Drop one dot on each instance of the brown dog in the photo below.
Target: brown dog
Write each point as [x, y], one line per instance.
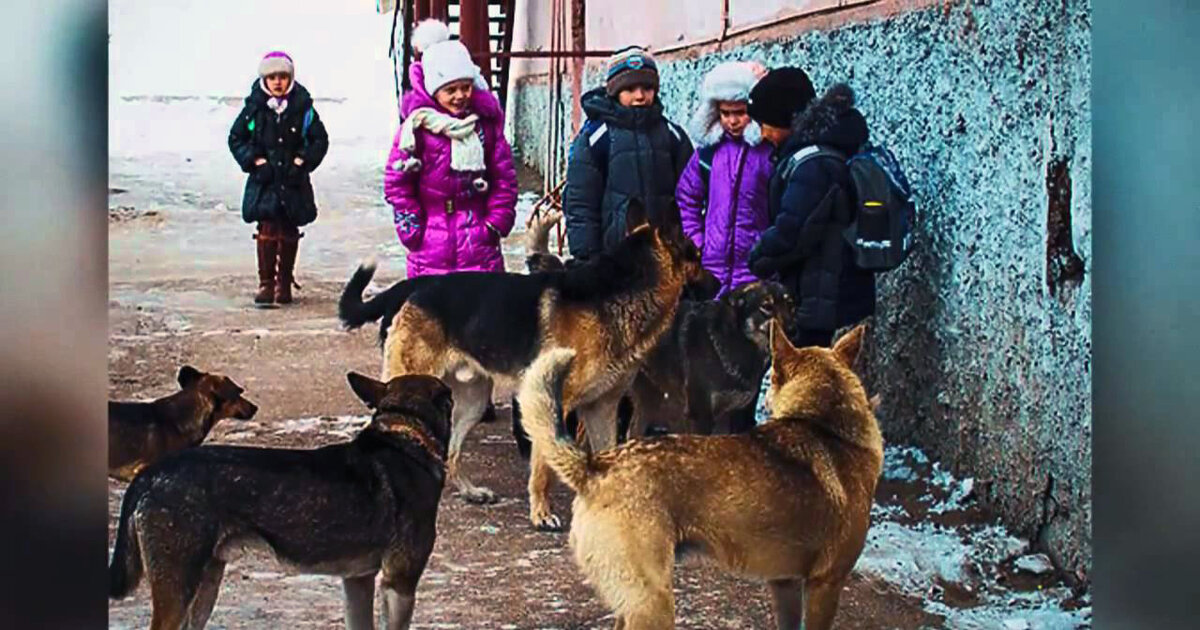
[140, 433]
[789, 502]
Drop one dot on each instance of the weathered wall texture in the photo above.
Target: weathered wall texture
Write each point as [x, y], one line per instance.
[981, 347]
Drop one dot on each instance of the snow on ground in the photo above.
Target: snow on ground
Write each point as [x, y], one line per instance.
[928, 560]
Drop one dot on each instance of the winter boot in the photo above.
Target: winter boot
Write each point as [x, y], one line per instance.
[268, 250]
[289, 243]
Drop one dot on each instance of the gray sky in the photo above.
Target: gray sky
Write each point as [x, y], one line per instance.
[212, 47]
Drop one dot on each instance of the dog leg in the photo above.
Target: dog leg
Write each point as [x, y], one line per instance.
[787, 600]
[206, 595]
[655, 612]
[399, 600]
[470, 400]
[360, 602]
[821, 602]
[539, 488]
[599, 419]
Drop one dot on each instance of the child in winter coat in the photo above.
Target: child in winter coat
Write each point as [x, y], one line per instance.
[722, 194]
[450, 176]
[278, 139]
[627, 149]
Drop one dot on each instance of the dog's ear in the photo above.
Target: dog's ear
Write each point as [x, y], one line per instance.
[635, 215]
[847, 346]
[368, 390]
[782, 350]
[189, 376]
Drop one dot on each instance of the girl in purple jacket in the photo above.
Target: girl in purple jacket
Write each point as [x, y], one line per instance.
[722, 194]
[450, 177]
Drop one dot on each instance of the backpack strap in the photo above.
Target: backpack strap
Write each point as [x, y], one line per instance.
[308, 118]
[599, 142]
[810, 152]
[704, 159]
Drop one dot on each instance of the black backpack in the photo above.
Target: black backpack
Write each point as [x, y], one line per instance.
[881, 233]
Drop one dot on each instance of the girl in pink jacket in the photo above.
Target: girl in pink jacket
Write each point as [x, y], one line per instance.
[450, 176]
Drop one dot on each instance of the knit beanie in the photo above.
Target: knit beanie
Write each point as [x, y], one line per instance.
[276, 61]
[779, 96]
[630, 67]
[446, 62]
[428, 33]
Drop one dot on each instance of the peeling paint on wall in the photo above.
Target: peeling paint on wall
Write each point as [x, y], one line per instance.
[981, 347]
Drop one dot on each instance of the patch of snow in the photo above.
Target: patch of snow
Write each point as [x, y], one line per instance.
[1037, 564]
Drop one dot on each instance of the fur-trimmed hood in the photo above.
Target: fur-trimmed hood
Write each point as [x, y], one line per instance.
[729, 81]
[831, 120]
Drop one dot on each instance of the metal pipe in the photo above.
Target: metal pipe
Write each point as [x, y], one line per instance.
[843, 5]
[547, 54]
[473, 31]
[724, 20]
[578, 45]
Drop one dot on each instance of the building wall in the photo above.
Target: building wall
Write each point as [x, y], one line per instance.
[981, 347]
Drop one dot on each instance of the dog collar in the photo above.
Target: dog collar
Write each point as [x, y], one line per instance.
[426, 442]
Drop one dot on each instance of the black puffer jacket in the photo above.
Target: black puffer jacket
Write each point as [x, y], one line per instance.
[809, 211]
[278, 189]
[646, 155]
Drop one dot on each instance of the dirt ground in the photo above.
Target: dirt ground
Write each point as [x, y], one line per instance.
[181, 281]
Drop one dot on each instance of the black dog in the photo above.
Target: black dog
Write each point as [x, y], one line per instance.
[348, 509]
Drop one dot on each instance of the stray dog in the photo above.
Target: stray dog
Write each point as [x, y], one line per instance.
[347, 509]
[473, 328]
[140, 433]
[788, 502]
[704, 375]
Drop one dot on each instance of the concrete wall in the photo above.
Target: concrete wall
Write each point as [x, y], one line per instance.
[981, 347]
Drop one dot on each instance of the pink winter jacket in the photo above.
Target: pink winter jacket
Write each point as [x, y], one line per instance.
[441, 219]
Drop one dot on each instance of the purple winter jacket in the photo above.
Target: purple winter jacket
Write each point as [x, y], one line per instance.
[727, 229]
[443, 222]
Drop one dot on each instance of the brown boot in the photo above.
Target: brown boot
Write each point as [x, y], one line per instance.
[288, 245]
[268, 250]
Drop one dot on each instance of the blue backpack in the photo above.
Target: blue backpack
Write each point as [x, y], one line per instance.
[881, 233]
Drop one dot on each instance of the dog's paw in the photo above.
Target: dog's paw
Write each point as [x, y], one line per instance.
[547, 523]
[479, 496]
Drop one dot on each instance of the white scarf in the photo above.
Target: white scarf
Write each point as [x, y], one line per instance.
[277, 105]
[466, 151]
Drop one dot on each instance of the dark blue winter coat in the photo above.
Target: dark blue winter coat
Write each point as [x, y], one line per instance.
[809, 210]
[278, 189]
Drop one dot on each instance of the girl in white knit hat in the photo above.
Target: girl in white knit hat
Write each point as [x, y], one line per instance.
[450, 176]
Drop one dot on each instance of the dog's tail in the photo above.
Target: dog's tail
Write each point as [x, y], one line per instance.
[354, 312]
[542, 414]
[126, 569]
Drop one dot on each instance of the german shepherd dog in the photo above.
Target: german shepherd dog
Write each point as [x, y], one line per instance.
[474, 328]
[347, 509]
[140, 433]
[788, 502]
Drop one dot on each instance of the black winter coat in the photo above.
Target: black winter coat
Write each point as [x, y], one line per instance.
[646, 155]
[278, 189]
[809, 211]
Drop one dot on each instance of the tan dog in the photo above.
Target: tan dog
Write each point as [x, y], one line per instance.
[789, 502]
[141, 433]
